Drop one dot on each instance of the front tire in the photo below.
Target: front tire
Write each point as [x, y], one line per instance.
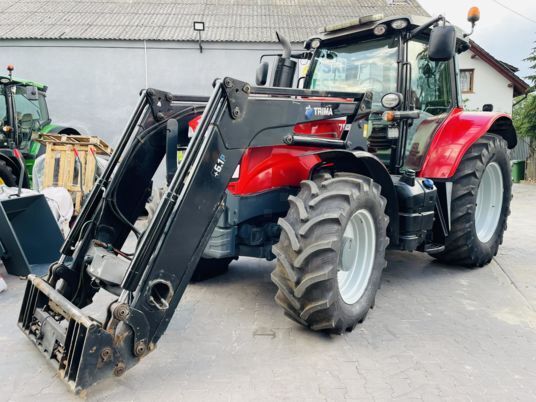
[481, 194]
[331, 252]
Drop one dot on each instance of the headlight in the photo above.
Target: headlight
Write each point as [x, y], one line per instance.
[380, 29]
[399, 24]
[391, 100]
[315, 43]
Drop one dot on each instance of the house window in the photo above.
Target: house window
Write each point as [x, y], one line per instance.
[467, 80]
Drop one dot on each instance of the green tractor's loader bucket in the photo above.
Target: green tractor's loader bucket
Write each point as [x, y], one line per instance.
[30, 238]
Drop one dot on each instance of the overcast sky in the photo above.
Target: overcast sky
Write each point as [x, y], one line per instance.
[506, 35]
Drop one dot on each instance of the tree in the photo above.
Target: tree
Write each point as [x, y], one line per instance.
[524, 112]
[532, 77]
[524, 116]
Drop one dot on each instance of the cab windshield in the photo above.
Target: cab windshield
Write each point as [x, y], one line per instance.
[30, 109]
[365, 66]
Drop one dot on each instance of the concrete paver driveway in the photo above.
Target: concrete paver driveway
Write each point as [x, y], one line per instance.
[436, 332]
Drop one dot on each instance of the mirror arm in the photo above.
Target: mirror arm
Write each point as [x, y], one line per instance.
[465, 35]
[269, 55]
[424, 26]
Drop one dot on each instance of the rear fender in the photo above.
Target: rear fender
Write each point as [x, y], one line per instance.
[57, 129]
[456, 135]
[7, 156]
[368, 165]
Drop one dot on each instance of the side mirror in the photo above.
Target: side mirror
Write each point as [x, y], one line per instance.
[32, 93]
[262, 73]
[442, 43]
[488, 107]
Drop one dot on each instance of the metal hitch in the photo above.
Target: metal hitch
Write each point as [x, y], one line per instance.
[76, 345]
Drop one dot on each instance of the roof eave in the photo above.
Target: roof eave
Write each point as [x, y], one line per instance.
[519, 85]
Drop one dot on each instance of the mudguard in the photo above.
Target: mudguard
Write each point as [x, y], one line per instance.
[57, 129]
[8, 156]
[455, 136]
[365, 163]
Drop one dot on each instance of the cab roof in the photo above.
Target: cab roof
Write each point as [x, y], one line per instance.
[22, 82]
[367, 23]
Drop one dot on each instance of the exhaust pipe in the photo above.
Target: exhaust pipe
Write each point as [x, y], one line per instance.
[286, 67]
[286, 45]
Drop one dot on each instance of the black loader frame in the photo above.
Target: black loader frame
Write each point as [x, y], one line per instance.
[150, 282]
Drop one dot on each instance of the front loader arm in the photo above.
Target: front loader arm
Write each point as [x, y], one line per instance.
[150, 285]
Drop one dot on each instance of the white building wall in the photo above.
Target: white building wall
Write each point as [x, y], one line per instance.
[489, 86]
[94, 85]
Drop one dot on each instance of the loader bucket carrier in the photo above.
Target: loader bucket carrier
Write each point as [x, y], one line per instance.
[150, 283]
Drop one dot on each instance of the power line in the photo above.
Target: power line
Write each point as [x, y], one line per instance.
[515, 12]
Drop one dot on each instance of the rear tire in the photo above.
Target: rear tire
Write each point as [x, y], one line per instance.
[476, 233]
[6, 175]
[207, 268]
[327, 281]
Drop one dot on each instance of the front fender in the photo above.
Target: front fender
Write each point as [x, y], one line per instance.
[366, 164]
[455, 136]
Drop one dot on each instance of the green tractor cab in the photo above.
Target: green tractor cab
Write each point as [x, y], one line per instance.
[24, 114]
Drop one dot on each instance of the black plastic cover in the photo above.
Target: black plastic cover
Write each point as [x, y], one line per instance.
[442, 43]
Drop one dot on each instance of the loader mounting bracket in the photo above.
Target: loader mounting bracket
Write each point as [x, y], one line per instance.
[159, 102]
[237, 95]
[136, 320]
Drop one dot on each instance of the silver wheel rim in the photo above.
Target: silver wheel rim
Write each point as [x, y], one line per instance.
[489, 199]
[357, 256]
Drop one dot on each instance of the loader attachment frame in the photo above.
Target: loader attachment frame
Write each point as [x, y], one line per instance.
[237, 116]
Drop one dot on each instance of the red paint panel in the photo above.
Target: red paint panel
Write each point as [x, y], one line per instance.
[265, 168]
[324, 128]
[452, 140]
[195, 122]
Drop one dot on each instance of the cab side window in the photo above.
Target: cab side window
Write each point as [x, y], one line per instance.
[430, 81]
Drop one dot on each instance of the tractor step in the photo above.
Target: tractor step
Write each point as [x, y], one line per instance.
[432, 248]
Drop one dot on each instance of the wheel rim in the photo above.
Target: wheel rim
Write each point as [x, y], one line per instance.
[489, 199]
[357, 256]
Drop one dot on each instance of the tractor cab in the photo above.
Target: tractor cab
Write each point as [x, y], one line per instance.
[408, 64]
[23, 110]
[23, 116]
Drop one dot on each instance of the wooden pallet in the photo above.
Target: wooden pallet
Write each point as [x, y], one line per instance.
[70, 160]
[101, 147]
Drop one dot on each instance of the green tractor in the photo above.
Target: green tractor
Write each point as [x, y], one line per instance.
[24, 113]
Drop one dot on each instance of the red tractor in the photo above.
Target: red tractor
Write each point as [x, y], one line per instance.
[448, 194]
[375, 151]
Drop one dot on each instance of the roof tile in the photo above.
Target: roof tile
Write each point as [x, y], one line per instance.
[171, 20]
